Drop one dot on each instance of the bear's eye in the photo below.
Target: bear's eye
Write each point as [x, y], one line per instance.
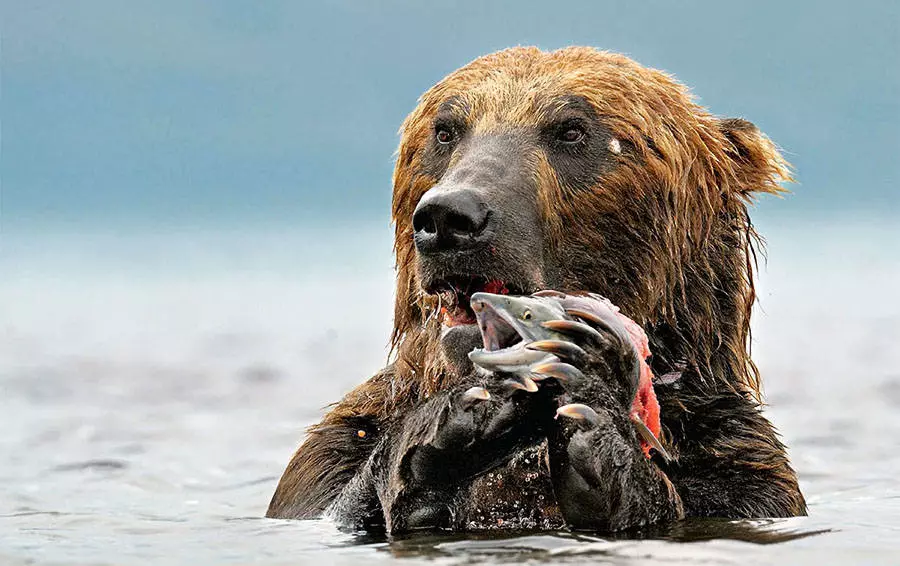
[570, 135]
[443, 135]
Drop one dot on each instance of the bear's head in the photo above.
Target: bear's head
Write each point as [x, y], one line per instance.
[577, 170]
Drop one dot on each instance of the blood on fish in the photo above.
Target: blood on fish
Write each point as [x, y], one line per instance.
[645, 405]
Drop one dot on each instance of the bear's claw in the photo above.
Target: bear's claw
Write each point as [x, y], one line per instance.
[649, 437]
[564, 372]
[559, 348]
[521, 383]
[573, 328]
[550, 293]
[474, 395]
[593, 318]
[579, 412]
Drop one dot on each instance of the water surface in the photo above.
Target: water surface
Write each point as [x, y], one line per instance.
[154, 386]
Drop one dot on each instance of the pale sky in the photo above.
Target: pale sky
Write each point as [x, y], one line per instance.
[189, 112]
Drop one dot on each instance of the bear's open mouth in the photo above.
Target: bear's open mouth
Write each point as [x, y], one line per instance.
[455, 293]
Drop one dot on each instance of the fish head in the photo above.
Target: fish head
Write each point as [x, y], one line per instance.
[505, 320]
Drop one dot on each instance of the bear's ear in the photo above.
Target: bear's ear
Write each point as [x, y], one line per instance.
[756, 163]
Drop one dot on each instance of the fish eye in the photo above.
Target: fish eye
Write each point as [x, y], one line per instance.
[526, 315]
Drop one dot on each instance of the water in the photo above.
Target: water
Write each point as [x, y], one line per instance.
[154, 386]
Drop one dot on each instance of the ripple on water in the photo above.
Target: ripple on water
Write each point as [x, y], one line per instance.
[98, 465]
[155, 433]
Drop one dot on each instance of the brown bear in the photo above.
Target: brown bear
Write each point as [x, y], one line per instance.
[574, 170]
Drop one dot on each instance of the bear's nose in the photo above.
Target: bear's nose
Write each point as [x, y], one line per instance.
[450, 220]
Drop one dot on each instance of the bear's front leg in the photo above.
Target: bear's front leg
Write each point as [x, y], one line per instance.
[602, 478]
[423, 463]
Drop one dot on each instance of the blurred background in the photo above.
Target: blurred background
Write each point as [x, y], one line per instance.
[195, 250]
[171, 114]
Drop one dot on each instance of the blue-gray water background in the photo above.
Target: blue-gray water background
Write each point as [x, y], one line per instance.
[195, 258]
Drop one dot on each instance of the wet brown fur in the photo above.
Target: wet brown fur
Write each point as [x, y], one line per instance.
[665, 234]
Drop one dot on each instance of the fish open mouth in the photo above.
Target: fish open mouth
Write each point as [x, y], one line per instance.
[496, 331]
[455, 293]
[507, 326]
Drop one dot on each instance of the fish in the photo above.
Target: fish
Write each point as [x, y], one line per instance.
[533, 338]
[508, 324]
